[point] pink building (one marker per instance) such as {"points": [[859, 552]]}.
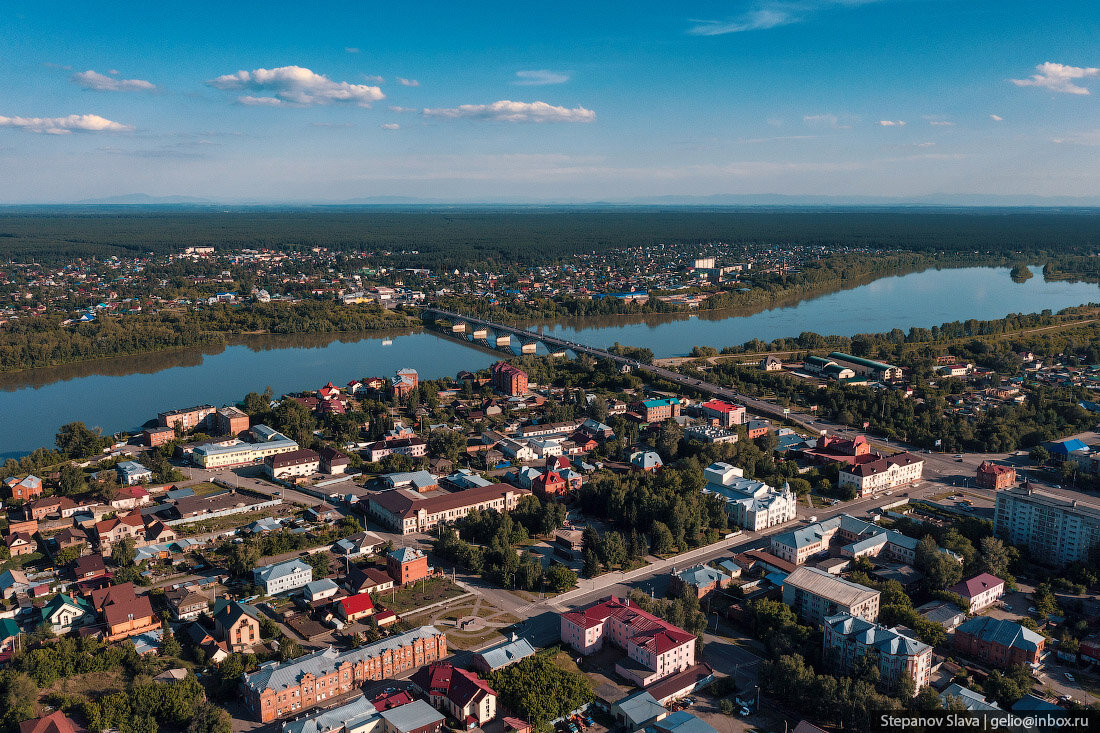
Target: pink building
{"points": [[655, 648], [981, 590]]}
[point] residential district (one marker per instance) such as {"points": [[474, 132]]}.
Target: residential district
{"points": [[497, 551]]}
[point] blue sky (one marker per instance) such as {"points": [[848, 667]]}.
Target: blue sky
{"points": [[566, 101]]}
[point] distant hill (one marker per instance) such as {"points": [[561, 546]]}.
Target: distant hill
{"points": [[146, 200]]}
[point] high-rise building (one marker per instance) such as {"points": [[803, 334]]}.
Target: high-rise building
{"points": [[1056, 529]]}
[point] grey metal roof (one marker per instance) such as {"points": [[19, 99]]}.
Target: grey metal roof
{"points": [[346, 716], [640, 708], [1002, 632], [507, 653], [267, 573], [414, 715], [868, 634]]}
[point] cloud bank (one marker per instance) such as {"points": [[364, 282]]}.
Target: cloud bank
{"points": [[508, 111], [297, 86], [770, 14], [65, 125], [891, 123], [1058, 78], [102, 83]]}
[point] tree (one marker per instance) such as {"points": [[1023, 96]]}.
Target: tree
{"points": [[614, 550], [662, 542], [1039, 455], [124, 552], [242, 559], [169, 644], [66, 556], [560, 578], [76, 440], [209, 718], [19, 694], [71, 481], [591, 564], [994, 557]]}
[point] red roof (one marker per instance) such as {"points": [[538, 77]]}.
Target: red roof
{"points": [[994, 469], [721, 406], [357, 603], [976, 585], [644, 629], [55, 722]]}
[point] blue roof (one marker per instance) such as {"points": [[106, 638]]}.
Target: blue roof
{"points": [[268, 573], [345, 717], [1065, 447], [684, 722], [1031, 704], [776, 578], [406, 554], [1002, 632]]}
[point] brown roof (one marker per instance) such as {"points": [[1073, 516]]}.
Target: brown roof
{"points": [[117, 613], [403, 505], [112, 594], [55, 722], [293, 458]]}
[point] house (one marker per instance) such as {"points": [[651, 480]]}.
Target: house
{"points": [[645, 461], [416, 717], [366, 580], [771, 364], [323, 512], [998, 642], [13, 582], [947, 615], [188, 602], [319, 590], [64, 613], [847, 638], [283, 576], [132, 473], [360, 544], [969, 699], [702, 579], [20, 543], [47, 506], [982, 591], [24, 489], [118, 528], [550, 484], [638, 711], [333, 461], [125, 613], [655, 648], [55, 722], [457, 691], [412, 447], [236, 624], [503, 655], [9, 634], [88, 567], [280, 689], [356, 607], [126, 498], [66, 538], [407, 565], [994, 476], [301, 462]]}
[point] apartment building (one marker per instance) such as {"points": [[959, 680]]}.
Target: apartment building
{"points": [[301, 462], [655, 648], [725, 414], [816, 595], [999, 642], [187, 418], [230, 421], [1059, 531], [882, 473], [848, 637], [236, 452], [280, 689], [656, 410], [283, 576], [508, 379]]}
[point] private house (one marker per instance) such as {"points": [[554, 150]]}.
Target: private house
{"points": [[647, 461], [998, 642], [20, 543], [816, 595], [412, 447], [282, 577], [125, 613], [319, 590], [360, 544], [982, 591], [366, 580], [64, 613], [354, 608], [994, 476], [47, 506], [188, 602], [280, 689], [66, 538], [12, 582], [771, 364], [415, 717], [970, 700], [333, 461], [407, 565], [114, 530], [24, 489], [237, 625], [127, 497], [702, 579], [847, 638], [458, 692], [654, 648], [55, 722], [132, 473], [9, 635], [88, 567]]}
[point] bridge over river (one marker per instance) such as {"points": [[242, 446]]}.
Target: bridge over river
{"points": [[499, 334]]}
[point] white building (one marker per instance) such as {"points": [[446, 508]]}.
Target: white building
{"points": [[883, 473], [751, 504], [1058, 531], [283, 576]]}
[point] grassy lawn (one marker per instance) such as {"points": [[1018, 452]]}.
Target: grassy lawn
{"points": [[458, 640], [91, 687], [562, 660], [422, 593], [205, 488], [217, 524]]}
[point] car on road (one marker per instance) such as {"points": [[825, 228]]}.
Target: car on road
{"points": [[1070, 677]]}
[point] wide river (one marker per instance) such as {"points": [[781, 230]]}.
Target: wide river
{"points": [[121, 394]]}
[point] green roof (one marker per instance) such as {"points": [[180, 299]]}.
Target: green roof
{"points": [[8, 628], [862, 362]]}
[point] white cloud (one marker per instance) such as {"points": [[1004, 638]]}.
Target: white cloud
{"points": [[296, 85], [65, 125], [92, 80], [540, 77], [1058, 78], [351, 49], [407, 82], [941, 123], [374, 79], [770, 14], [260, 101], [1090, 138], [891, 123], [508, 111], [996, 118], [390, 126], [829, 120]]}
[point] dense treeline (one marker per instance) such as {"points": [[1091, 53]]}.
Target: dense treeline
{"points": [[43, 341], [540, 690], [444, 238]]}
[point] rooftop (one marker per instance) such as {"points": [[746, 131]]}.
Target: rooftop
{"points": [[824, 585]]}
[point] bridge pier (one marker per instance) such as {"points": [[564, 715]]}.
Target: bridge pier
{"points": [[481, 333], [530, 348], [504, 341], [558, 354], [458, 328]]}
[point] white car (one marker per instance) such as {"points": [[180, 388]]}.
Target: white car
{"points": [[1070, 677]]}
